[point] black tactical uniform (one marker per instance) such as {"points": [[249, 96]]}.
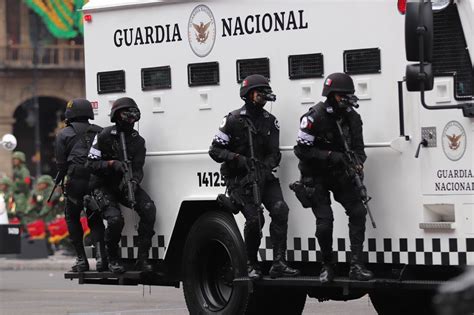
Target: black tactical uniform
{"points": [[231, 146], [72, 146], [105, 159], [319, 148]]}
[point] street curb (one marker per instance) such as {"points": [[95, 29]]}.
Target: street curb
{"points": [[39, 264]]}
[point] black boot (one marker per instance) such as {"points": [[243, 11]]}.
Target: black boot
{"points": [[357, 270], [81, 263], [280, 268], [143, 264], [253, 270], [102, 263], [115, 265], [326, 274]]}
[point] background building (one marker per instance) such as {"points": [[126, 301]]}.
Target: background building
{"points": [[41, 62]]}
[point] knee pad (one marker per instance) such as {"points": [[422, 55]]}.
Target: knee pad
{"points": [[149, 211], [280, 211], [115, 223], [357, 211]]}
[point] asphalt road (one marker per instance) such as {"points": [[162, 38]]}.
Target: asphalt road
{"points": [[47, 292]]}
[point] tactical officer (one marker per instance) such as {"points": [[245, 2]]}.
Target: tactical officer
{"points": [[322, 165], [106, 160], [72, 146], [21, 182], [231, 147]]}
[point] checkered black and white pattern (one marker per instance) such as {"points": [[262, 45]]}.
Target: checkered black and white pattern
{"points": [[305, 138], [221, 138], [129, 247], [418, 251]]}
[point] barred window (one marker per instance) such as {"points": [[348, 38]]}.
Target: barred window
{"points": [[305, 66], [111, 82], [206, 73], [362, 61], [246, 67], [156, 78]]}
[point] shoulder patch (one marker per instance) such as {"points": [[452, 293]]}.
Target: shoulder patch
{"points": [[304, 122], [224, 121], [277, 124], [266, 115]]}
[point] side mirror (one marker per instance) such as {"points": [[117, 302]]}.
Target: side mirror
{"points": [[413, 30], [414, 77], [419, 45], [9, 142]]}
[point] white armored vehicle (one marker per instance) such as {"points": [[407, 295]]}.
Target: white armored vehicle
{"points": [[183, 61]]}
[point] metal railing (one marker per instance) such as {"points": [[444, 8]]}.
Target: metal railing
{"points": [[49, 57]]}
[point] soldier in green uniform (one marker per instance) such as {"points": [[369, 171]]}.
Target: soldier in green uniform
{"points": [[42, 209], [6, 190], [21, 182]]}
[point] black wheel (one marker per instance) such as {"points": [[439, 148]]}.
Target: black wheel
{"points": [[402, 302], [214, 254], [276, 300]]}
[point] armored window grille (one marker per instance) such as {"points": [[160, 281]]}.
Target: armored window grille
{"points": [[450, 54], [246, 67], [156, 78], [362, 61], [305, 66], [206, 73], [111, 82]]}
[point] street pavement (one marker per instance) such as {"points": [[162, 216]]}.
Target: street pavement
{"points": [[38, 287]]}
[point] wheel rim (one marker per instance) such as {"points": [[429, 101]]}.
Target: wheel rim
{"points": [[216, 275]]}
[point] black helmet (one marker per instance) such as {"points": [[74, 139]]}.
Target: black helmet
{"points": [[79, 107], [123, 102], [252, 82], [338, 82]]}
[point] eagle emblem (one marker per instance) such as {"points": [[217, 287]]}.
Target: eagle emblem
{"points": [[201, 32], [454, 141]]}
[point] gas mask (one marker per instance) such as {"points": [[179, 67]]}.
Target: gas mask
{"points": [[263, 96], [127, 117], [348, 100]]}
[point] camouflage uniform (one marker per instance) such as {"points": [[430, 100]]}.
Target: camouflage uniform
{"points": [[40, 208], [6, 190], [21, 183]]}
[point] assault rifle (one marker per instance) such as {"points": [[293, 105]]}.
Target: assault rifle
{"points": [[352, 170], [128, 175], [58, 180]]}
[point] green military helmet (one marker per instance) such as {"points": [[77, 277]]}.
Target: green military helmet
{"points": [[46, 179], [19, 155], [5, 180]]}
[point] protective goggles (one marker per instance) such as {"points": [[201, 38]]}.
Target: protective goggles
{"points": [[130, 115], [267, 94], [350, 100]]}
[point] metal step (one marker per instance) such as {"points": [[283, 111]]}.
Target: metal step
{"points": [[126, 278], [340, 282]]}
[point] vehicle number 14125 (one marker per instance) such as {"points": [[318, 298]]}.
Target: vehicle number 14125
{"points": [[210, 179]]}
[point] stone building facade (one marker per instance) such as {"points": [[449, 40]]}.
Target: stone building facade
{"points": [[60, 77]]}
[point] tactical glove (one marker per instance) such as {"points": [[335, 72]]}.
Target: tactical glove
{"points": [[117, 166]]}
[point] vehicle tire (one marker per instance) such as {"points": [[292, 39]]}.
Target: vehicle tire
{"points": [[276, 300], [406, 302], [214, 254]]}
